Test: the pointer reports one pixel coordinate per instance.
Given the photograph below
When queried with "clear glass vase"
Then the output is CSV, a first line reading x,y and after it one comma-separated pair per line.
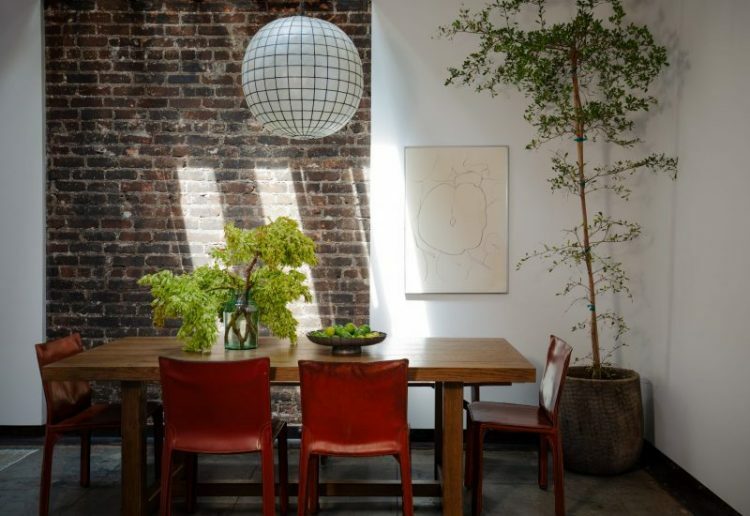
x,y
241,325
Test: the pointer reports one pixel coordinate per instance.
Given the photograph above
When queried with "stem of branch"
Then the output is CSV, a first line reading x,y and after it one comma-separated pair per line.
x,y
580,133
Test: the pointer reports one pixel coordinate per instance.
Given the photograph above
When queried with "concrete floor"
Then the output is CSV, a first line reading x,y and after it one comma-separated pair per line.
x,y
510,486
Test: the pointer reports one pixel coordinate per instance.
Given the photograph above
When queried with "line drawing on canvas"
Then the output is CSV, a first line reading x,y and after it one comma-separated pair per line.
x,y
457,206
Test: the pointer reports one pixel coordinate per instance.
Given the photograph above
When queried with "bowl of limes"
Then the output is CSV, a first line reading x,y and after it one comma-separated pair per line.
x,y
346,339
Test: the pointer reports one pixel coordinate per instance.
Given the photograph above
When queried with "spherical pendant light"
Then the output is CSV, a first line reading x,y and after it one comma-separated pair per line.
x,y
302,77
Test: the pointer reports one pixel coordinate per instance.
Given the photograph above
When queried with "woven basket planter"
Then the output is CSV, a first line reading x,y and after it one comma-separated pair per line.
x,y
601,421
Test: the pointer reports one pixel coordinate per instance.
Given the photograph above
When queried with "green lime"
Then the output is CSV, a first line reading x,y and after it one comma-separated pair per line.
x,y
329,331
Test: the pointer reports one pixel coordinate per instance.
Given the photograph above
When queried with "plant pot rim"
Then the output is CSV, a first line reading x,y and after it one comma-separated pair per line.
x,y
624,375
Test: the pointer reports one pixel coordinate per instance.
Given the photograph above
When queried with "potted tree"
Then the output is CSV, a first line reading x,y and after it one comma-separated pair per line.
x,y
252,279
585,78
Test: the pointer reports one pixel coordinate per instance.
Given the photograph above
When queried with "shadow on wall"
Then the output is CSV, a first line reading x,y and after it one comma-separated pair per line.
x,y
151,149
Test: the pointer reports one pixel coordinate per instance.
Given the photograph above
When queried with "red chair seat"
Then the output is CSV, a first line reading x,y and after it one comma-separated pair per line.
x,y
199,440
374,449
99,415
519,417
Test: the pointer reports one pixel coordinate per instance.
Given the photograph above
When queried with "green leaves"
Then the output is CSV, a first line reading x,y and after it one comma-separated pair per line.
x,y
196,298
281,244
273,290
260,263
584,79
241,248
277,244
613,62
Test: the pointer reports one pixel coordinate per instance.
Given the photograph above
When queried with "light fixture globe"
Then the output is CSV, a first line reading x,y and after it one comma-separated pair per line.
x,y
302,77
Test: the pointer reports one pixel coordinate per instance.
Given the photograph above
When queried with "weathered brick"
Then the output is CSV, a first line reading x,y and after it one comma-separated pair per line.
x,y
140,99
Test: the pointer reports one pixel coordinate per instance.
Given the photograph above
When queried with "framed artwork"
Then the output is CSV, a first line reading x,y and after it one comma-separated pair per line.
x,y
456,223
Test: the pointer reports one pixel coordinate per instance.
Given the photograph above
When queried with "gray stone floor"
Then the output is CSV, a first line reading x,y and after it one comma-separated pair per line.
x,y
510,486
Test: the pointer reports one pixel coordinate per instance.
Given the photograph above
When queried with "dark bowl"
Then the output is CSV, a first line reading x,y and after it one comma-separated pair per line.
x,y
342,346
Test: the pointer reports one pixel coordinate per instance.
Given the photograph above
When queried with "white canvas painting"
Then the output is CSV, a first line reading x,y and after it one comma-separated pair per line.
x,y
456,220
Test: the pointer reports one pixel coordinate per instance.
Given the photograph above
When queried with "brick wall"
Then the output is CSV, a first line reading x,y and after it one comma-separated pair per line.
x,y
151,148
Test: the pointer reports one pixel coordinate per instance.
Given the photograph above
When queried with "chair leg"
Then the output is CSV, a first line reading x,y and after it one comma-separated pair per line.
x,y
304,466
165,501
283,471
49,445
313,497
477,466
469,454
543,452
404,460
269,499
158,441
474,393
557,455
191,479
85,458
438,441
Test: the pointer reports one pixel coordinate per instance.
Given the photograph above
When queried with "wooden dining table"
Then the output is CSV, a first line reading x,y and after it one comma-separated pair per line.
x,y
449,362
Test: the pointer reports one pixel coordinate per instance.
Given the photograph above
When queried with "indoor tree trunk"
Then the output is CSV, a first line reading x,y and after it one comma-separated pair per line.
x,y
580,138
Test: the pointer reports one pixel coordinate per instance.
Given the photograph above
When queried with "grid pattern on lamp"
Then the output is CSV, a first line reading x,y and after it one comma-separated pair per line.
x,y
302,77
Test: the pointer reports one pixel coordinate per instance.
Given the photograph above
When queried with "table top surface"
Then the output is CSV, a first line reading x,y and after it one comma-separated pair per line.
x,y
467,360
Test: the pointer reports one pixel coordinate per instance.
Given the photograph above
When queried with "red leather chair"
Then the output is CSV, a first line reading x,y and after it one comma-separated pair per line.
x,y
221,407
352,409
539,419
69,409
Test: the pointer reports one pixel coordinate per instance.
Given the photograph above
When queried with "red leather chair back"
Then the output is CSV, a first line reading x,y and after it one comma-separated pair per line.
x,y
64,398
216,407
347,405
558,359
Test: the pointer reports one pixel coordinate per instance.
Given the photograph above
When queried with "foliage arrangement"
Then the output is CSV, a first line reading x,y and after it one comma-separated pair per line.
x,y
585,78
258,265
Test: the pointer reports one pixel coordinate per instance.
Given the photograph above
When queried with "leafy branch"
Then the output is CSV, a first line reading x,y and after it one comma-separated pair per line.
x,y
584,79
259,265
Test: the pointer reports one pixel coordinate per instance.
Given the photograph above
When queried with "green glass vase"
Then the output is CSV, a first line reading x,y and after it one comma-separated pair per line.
x,y
241,325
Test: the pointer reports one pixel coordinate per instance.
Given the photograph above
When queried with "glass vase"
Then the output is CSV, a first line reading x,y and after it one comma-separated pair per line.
x,y
241,326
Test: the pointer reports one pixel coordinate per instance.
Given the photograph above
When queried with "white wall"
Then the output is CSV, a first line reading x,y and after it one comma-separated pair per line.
x,y
699,368
21,210
688,271
411,106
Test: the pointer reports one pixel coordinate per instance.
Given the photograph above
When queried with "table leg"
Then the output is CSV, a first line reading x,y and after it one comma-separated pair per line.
x,y
438,437
453,395
133,448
